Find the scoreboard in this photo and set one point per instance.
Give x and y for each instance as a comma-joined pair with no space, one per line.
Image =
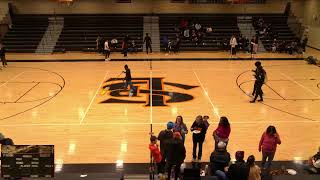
27,161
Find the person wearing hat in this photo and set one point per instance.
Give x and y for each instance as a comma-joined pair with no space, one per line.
239,170
164,137
219,160
176,154
199,130
260,76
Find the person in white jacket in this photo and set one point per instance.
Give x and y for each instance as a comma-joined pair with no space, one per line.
233,44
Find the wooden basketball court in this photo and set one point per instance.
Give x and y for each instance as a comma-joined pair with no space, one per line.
63,103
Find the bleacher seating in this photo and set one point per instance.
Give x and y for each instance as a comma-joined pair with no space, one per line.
279,28
80,31
26,33
223,27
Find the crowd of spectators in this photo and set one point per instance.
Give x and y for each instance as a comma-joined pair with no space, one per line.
172,151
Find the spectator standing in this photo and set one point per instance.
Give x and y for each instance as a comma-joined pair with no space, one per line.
3,55
197,26
156,154
199,130
233,44
254,170
253,46
268,145
164,137
205,121
165,42
239,170
180,127
222,132
176,154
125,45
106,49
219,160
148,42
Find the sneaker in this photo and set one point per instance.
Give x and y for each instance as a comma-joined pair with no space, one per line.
194,160
260,100
252,101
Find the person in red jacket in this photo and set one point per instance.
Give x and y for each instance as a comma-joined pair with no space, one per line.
268,145
222,132
156,154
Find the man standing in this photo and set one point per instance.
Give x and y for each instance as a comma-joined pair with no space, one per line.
106,49
260,75
128,78
233,44
148,42
3,55
125,45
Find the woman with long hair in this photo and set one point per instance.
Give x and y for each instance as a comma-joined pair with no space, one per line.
268,145
254,171
199,130
180,127
222,132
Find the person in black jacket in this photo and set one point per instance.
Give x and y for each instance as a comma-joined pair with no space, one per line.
176,154
148,42
164,137
260,75
199,130
219,159
239,170
3,55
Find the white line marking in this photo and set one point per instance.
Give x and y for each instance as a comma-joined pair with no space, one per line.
151,107
12,78
312,92
94,97
214,108
146,123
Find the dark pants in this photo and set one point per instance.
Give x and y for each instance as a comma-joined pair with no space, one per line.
107,53
125,52
233,51
265,156
194,152
148,46
160,167
128,83
4,60
176,171
258,91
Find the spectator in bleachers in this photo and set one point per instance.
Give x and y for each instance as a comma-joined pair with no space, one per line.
274,46
148,42
209,29
156,154
133,47
254,170
197,26
176,155
239,170
225,44
114,42
253,46
222,132
106,49
180,127
164,137
233,44
125,44
3,55
186,33
100,43
304,43
165,42
183,24
199,130
268,145
176,46
219,161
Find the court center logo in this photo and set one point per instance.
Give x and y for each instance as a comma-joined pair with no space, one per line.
141,94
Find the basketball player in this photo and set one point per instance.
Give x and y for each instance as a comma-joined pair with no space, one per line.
128,78
260,75
148,42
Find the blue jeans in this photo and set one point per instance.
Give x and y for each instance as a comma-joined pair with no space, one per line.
221,175
128,82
